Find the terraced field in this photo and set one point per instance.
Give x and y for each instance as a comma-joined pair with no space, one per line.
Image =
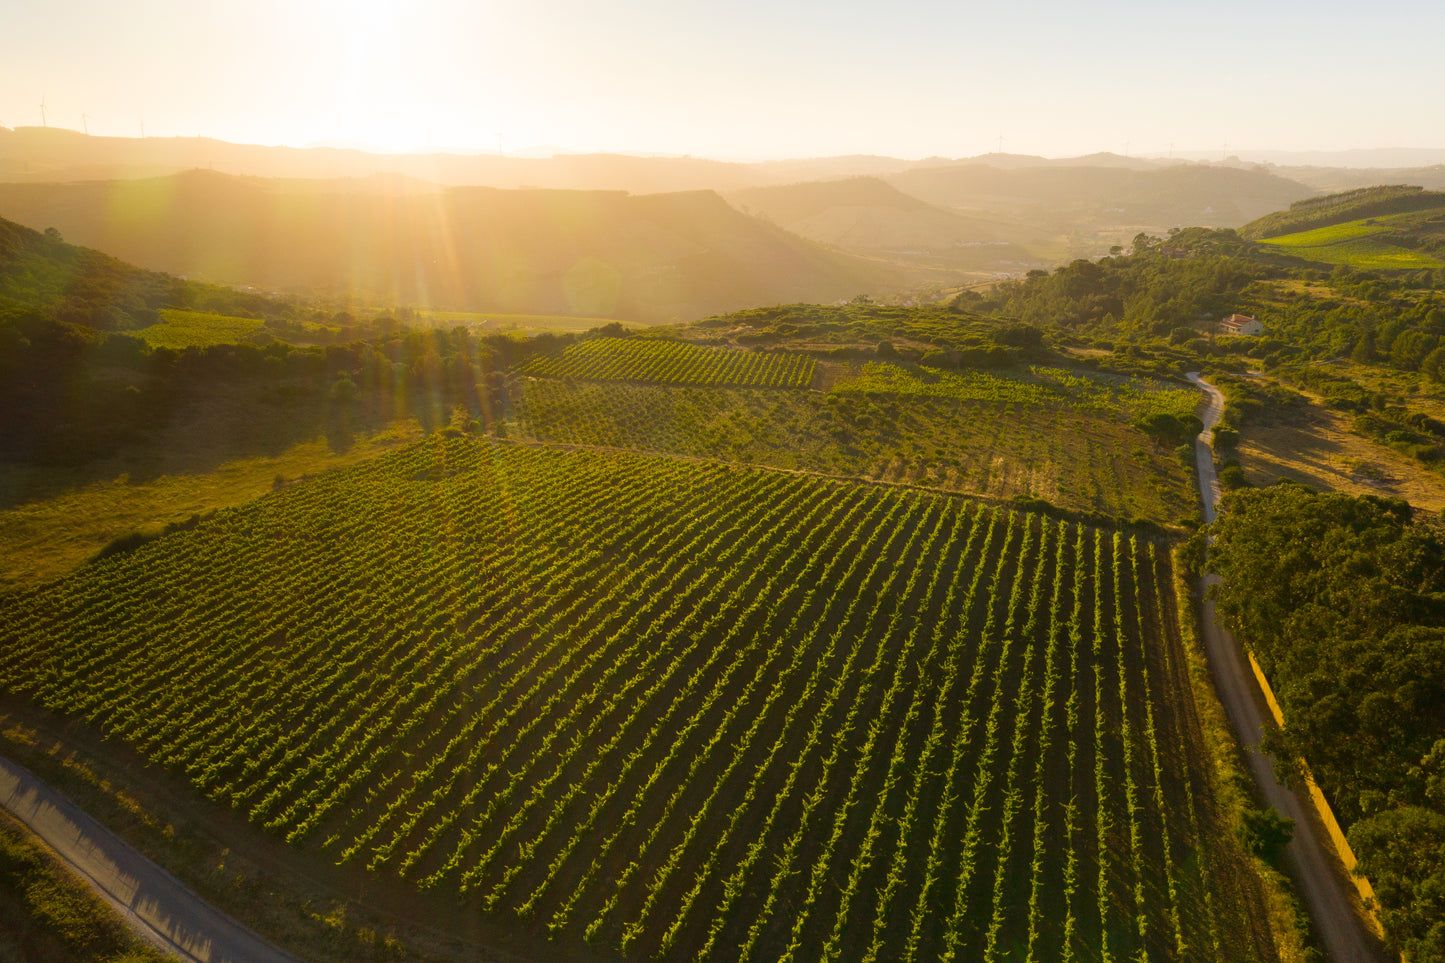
676,710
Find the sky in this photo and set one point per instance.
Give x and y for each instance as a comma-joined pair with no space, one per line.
738,80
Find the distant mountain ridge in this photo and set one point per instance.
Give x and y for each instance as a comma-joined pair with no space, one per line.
1183,195
35,154
869,215
648,258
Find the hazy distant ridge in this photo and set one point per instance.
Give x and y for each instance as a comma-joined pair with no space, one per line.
653,257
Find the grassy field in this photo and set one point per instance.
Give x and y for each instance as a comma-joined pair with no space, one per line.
1085,457
52,520
1359,244
674,709
48,915
1315,446
193,329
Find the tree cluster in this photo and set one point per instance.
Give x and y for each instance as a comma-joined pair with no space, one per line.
1342,600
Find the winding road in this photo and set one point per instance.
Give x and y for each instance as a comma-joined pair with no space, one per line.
150,900
1318,875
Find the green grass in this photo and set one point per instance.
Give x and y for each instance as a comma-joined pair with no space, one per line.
48,914
1357,244
192,329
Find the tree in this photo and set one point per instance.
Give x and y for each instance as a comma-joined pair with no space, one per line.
1266,833
1364,351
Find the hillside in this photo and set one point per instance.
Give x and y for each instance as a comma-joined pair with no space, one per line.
1366,202
652,257
1410,241
84,287
869,216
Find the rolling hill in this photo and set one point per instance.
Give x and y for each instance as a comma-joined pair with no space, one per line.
1064,196
651,257
868,216
1414,240
1318,212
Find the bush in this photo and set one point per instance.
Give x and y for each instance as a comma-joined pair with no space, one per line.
1231,477
1225,438
1170,429
1266,833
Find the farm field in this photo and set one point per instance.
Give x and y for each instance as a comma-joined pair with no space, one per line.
674,362
1081,456
1356,243
671,709
486,322
52,521
194,329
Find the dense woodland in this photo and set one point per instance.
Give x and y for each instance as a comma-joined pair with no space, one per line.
1343,601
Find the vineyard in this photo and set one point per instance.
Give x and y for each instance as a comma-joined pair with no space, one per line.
674,362
677,710
1077,457
1038,386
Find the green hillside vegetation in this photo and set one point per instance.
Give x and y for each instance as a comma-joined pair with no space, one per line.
41,273
193,329
1354,205
1405,241
674,709
653,257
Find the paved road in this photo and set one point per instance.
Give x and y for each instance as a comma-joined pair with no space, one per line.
152,901
1318,876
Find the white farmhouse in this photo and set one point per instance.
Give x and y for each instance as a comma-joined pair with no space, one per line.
1240,324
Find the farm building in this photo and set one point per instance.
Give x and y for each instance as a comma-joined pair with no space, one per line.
1240,324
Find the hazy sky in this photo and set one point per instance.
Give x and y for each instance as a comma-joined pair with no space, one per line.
737,79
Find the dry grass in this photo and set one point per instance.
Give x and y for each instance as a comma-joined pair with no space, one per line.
1314,445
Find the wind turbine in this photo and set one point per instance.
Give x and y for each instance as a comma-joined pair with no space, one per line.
43,122
85,122
1000,143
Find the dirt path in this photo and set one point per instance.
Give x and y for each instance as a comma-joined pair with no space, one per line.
150,900
1318,875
